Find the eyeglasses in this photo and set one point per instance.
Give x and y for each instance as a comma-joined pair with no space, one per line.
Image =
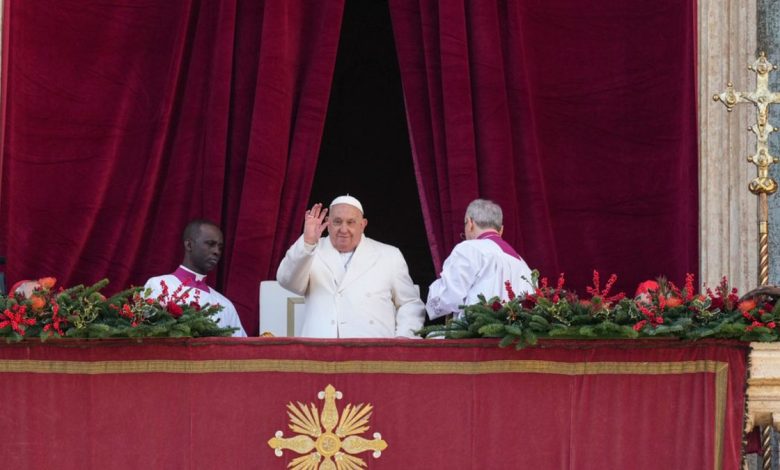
351,223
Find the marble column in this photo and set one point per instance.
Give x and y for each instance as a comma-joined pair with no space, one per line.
727,210
768,40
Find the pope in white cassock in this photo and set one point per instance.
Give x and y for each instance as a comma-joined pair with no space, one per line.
481,264
202,250
353,286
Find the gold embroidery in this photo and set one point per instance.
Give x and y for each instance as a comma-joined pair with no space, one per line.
351,367
332,438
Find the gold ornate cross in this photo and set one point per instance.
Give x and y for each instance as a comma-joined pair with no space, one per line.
327,440
763,185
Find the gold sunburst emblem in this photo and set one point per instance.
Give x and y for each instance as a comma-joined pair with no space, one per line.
329,441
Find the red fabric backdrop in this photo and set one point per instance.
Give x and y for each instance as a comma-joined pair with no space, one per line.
438,404
123,123
579,120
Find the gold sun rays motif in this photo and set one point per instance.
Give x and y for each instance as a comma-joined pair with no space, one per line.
328,440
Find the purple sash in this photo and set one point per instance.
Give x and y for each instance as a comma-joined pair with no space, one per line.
188,279
505,247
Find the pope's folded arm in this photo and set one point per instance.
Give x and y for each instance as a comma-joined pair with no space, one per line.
410,310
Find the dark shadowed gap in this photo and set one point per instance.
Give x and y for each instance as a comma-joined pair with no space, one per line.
365,146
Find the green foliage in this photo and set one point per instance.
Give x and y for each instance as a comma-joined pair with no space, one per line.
660,309
46,313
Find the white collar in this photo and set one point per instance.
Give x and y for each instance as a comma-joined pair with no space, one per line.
198,276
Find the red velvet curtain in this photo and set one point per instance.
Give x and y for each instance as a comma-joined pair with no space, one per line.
579,119
122,123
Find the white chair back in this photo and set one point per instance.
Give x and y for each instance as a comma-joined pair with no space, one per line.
281,311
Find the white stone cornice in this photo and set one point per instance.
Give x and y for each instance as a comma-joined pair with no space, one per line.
763,392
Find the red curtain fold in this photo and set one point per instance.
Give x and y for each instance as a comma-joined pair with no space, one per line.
290,56
215,403
121,124
579,121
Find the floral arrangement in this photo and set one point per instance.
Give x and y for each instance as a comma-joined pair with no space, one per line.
658,309
36,309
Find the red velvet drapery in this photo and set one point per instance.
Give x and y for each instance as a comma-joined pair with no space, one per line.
579,119
122,123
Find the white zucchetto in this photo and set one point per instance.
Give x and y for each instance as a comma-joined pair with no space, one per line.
349,200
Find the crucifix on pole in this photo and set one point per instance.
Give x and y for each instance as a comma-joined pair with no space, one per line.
762,185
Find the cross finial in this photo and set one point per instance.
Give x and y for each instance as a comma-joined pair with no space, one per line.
763,185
